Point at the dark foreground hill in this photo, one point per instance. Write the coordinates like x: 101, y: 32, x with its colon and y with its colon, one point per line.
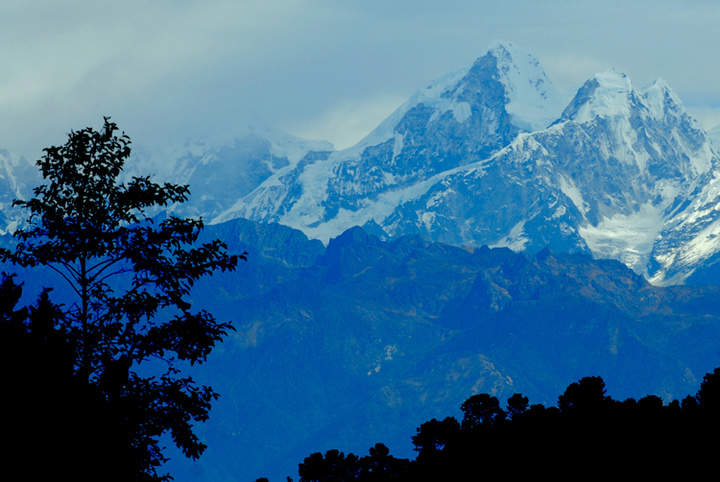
x: 359, y: 342
x: 362, y: 341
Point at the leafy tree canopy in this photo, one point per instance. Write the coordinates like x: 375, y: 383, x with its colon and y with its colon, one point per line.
x: 131, y: 274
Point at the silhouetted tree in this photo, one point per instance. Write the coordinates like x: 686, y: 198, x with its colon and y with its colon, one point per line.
x: 333, y: 467
x: 689, y: 403
x: 588, y: 394
x: 517, y: 405
x: 481, y: 409
x: 380, y: 466
x: 708, y: 396
x: 433, y: 436
x: 55, y: 425
x: 436, y: 443
x: 588, y: 432
x: 131, y: 274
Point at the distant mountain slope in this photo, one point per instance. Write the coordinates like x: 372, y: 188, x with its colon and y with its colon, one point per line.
x: 17, y: 179
x: 360, y: 342
x: 460, y: 119
x: 493, y: 155
x: 490, y: 154
x: 220, y: 173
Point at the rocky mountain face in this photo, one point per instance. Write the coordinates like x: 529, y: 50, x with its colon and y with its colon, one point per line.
x: 493, y: 155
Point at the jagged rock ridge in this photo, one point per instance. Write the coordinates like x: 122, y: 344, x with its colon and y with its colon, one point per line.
x: 493, y: 155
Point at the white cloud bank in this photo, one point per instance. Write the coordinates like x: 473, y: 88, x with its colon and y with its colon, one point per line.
x: 171, y: 70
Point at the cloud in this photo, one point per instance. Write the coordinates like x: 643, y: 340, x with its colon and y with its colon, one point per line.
x: 349, y: 121
x: 171, y: 70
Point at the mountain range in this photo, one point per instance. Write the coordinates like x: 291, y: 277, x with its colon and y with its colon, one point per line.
x: 359, y: 342
x: 492, y: 235
x: 493, y: 155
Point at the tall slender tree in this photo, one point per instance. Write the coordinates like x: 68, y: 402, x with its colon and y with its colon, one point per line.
x: 131, y: 274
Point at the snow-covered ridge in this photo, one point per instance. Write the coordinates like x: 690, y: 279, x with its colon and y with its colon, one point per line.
x: 658, y: 96
x: 533, y: 101
x: 608, y: 95
x: 432, y: 96
x: 291, y: 147
x: 490, y: 154
x: 525, y: 88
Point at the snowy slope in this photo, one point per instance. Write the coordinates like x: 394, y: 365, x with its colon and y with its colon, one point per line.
x: 493, y: 154
x: 218, y: 173
x: 490, y: 154
x: 17, y: 179
x: 660, y: 157
x: 461, y: 119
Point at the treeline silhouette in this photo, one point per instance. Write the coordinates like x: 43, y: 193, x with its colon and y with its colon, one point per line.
x: 588, y: 435
x: 56, y: 424
x: 91, y: 386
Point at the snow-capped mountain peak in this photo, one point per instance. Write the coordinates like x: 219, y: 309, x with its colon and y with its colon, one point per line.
x: 607, y: 94
x: 487, y: 155
x: 459, y: 119
x: 434, y: 96
x: 660, y: 99
x: 532, y: 100
x: 507, y: 80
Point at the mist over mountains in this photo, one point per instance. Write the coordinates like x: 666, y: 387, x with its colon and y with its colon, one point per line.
x: 492, y: 235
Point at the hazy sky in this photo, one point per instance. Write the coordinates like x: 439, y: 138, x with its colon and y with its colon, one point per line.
x: 172, y: 70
